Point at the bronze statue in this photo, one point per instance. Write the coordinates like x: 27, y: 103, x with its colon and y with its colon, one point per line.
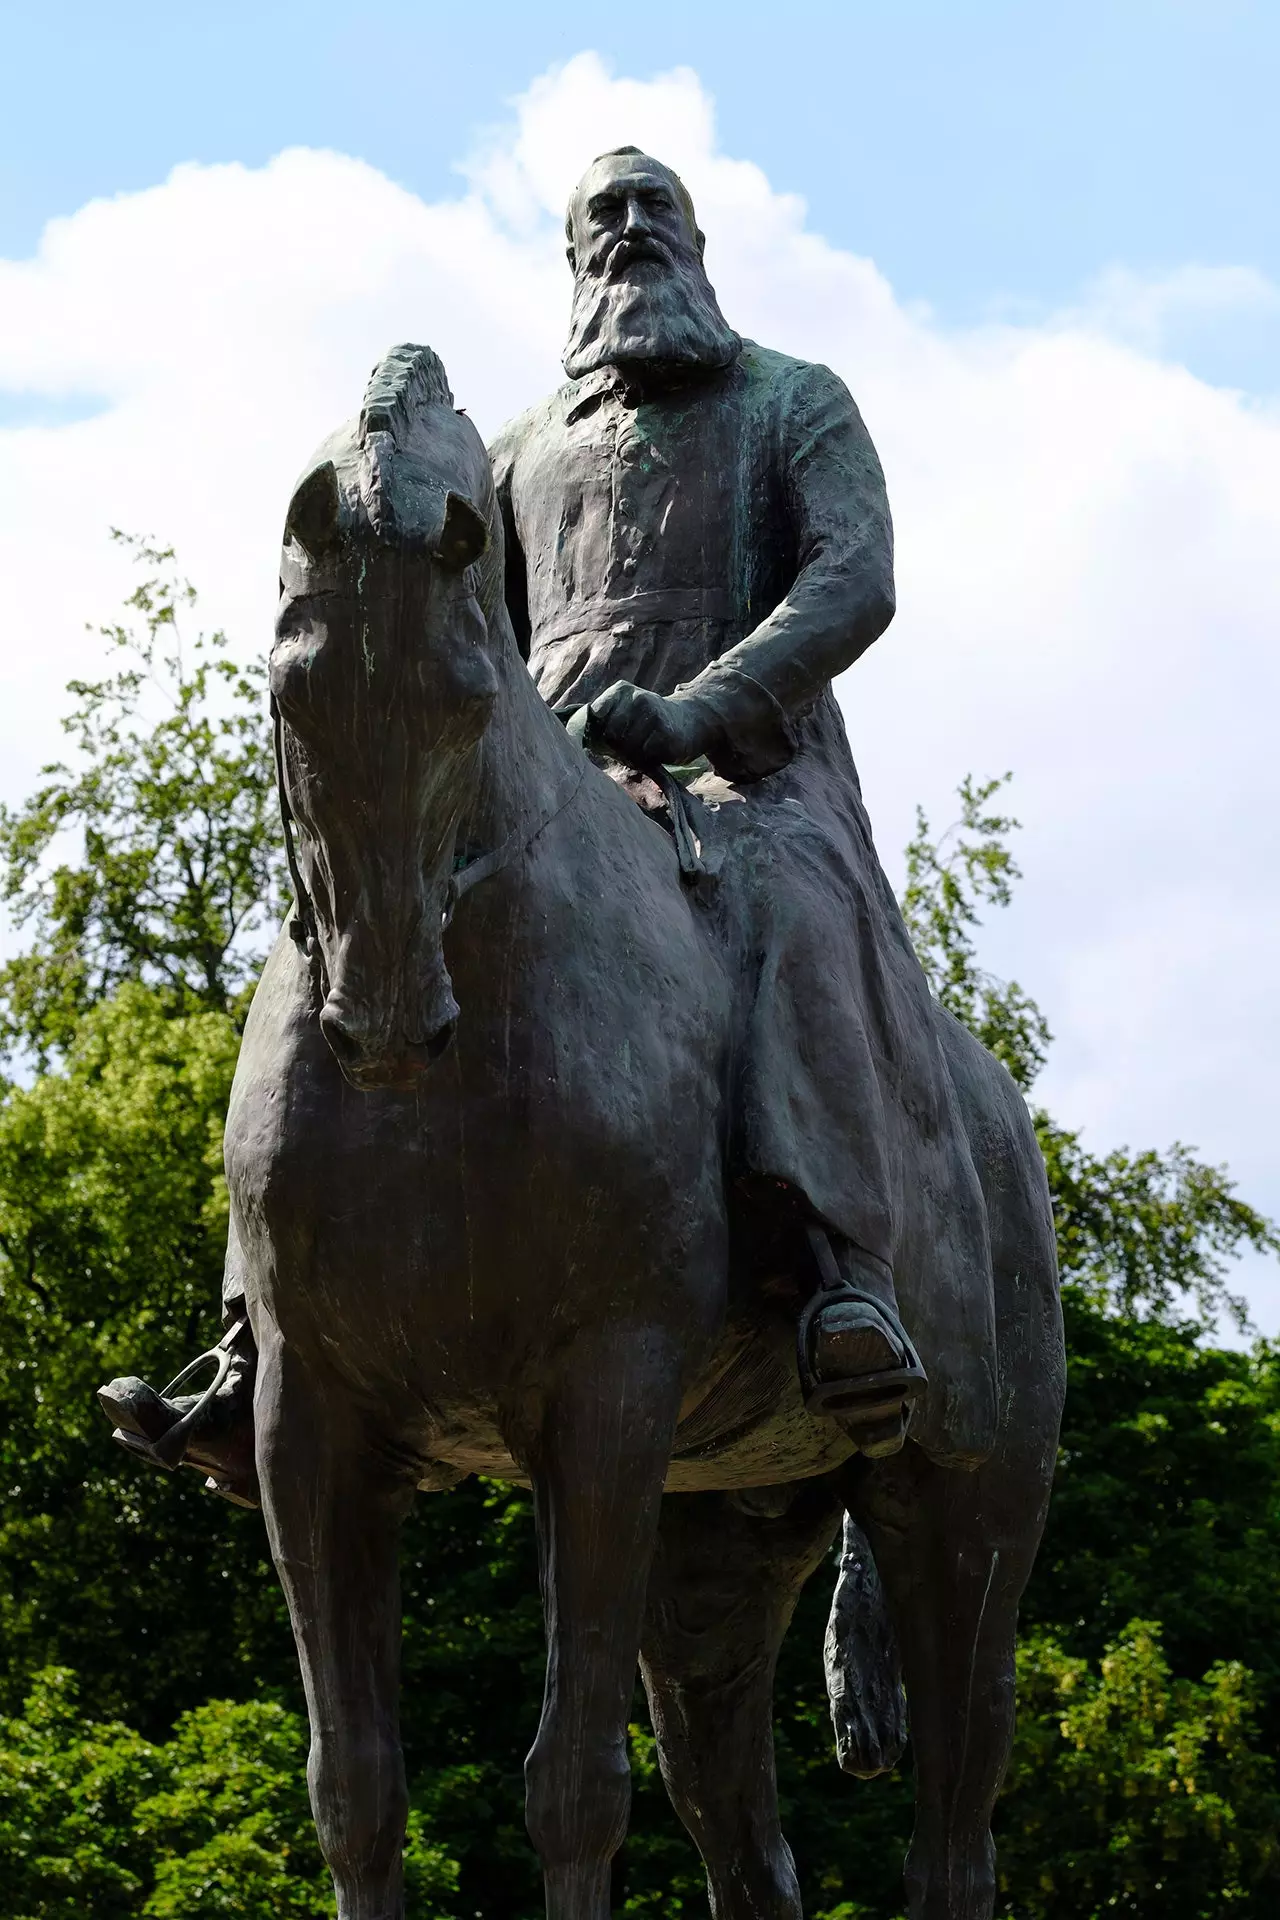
x: 618, y: 1148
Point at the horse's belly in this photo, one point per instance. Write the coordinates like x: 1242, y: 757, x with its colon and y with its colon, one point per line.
x: 743, y: 1424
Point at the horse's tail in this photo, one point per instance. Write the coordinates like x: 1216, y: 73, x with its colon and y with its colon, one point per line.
x: 864, y: 1674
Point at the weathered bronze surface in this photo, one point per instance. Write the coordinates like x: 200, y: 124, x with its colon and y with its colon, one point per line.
x: 548, y: 1118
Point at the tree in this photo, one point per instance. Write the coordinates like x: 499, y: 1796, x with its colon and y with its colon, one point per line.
x: 949, y: 882
x: 112, y: 1229
x: 1167, y: 1498
x: 212, y: 1822
x: 173, y: 800
x: 1132, y: 1791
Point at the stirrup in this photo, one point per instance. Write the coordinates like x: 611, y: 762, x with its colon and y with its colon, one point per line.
x: 868, y: 1396
x: 168, y: 1449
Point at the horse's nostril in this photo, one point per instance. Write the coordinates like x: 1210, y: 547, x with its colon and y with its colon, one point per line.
x: 342, y: 1042
x: 440, y: 1039
x: 395, y: 1064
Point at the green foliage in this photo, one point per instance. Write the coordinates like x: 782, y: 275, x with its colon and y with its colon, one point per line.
x: 211, y: 1823
x: 112, y: 1231
x: 1167, y: 1498
x: 1146, y: 1232
x: 949, y: 882
x: 173, y: 802
x: 67, y: 1844
x: 1132, y: 1791
x: 472, y: 1690
x: 1141, y: 1232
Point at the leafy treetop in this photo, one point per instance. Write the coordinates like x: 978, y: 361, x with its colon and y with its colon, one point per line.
x: 173, y: 801
x: 949, y: 881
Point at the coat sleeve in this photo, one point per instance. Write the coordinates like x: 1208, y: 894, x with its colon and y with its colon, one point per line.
x: 502, y: 457
x: 841, y: 599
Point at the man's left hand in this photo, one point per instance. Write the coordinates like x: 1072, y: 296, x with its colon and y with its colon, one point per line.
x: 644, y: 729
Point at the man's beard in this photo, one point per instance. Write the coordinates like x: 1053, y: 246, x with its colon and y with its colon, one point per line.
x: 648, y: 309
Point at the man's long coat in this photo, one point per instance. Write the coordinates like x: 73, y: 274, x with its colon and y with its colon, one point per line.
x: 732, y: 535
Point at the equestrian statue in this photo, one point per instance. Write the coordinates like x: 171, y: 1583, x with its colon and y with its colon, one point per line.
x: 594, y: 1125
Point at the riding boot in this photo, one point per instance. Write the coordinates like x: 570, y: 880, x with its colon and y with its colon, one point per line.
x: 858, y: 1365
x: 211, y: 1431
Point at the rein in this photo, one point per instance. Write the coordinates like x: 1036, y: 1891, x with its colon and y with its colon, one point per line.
x: 486, y: 865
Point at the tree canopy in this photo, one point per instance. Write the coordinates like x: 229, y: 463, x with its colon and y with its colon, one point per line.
x: 173, y: 863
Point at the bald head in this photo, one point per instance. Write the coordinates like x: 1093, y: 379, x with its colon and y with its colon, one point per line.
x: 641, y: 296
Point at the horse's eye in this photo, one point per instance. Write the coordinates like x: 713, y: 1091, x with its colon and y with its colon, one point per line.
x: 294, y: 670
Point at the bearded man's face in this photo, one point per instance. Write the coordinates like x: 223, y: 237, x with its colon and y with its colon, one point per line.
x: 641, y: 297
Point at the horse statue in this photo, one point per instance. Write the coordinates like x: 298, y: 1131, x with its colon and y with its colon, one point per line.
x: 480, y: 1214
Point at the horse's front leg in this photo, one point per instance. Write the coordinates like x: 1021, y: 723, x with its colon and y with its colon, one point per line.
x: 334, y: 1510
x: 598, y: 1464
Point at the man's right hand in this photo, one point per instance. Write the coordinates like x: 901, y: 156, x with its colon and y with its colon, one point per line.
x: 644, y: 729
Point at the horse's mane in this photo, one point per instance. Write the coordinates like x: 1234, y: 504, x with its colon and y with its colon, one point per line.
x: 405, y: 379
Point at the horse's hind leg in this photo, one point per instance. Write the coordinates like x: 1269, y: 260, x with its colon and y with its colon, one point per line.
x: 954, y: 1551
x: 333, y: 1512
x: 722, y: 1590
x: 597, y: 1461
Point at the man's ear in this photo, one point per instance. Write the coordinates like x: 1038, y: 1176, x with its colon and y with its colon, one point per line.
x: 571, y: 255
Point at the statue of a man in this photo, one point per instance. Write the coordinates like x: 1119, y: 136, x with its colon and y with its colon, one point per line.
x: 698, y: 540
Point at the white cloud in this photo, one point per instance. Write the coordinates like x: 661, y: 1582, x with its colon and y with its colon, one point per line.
x: 1146, y: 309
x: 1087, y: 536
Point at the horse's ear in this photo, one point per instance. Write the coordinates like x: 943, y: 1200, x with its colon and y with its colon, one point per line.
x: 312, y: 519
x: 464, y: 535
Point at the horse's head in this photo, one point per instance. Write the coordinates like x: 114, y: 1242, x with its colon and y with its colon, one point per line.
x: 383, y: 684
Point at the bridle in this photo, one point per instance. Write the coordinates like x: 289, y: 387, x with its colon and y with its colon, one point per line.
x: 302, y: 921
x: 469, y: 872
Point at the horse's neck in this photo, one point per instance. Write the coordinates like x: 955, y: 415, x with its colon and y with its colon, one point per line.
x: 528, y: 767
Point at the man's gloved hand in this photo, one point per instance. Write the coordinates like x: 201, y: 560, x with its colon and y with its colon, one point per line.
x: 645, y: 729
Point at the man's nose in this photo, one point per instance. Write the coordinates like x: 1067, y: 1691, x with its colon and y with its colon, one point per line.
x: 637, y: 220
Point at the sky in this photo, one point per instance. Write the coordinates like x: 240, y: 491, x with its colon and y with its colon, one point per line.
x: 1041, y: 245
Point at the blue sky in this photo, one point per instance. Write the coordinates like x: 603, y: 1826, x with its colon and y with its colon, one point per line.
x: 991, y: 157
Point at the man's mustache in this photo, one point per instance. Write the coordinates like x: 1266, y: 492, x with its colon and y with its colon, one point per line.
x: 625, y: 252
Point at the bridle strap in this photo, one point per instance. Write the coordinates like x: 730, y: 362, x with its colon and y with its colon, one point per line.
x: 302, y: 922
x: 486, y: 865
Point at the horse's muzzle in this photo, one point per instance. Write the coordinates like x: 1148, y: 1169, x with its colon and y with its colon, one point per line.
x: 374, y: 1061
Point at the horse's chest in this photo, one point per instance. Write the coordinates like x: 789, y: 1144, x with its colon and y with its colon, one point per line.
x: 500, y: 1167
